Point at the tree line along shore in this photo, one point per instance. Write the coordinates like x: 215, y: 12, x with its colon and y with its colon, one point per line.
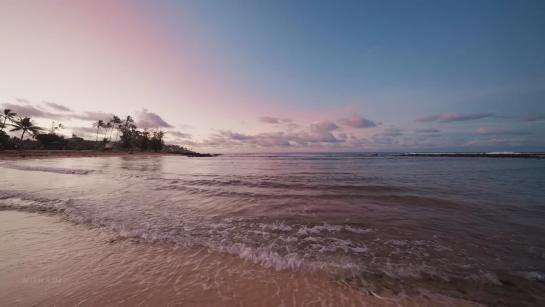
x: 114, y: 136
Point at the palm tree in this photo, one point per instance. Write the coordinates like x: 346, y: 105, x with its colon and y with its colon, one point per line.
x: 127, y: 133
x: 117, y: 123
x: 7, y: 115
x: 25, y: 124
x: 128, y: 121
x: 99, y: 124
x: 108, y: 126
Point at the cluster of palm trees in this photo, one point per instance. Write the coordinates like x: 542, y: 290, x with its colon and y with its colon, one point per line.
x: 129, y: 136
x: 23, y: 124
x: 126, y: 132
x: 115, y: 123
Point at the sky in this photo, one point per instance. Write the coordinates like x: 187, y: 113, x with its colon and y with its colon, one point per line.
x: 283, y: 76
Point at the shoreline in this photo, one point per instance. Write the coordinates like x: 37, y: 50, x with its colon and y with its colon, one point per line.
x: 44, y: 154
x: 522, y: 155
x: 48, y: 261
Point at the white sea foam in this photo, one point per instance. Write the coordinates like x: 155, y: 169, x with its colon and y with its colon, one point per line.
x: 532, y: 275
x: 305, y: 230
x: 276, y: 226
x: 276, y: 244
x: 48, y: 169
x: 357, y: 230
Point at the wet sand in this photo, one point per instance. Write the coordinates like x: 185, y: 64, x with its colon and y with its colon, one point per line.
x: 47, y: 261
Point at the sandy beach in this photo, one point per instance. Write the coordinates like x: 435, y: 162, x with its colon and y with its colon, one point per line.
x: 47, y: 261
x: 41, y: 154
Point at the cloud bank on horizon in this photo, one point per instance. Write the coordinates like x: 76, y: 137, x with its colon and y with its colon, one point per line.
x: 284, y: 76
x: 349, y: 133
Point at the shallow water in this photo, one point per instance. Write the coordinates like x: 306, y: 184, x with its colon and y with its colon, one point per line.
x: 465, y: 227
x: 48, y: 262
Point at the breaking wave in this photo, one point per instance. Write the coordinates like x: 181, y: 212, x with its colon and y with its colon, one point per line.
x: 342, y: 248
x: 48, y: 169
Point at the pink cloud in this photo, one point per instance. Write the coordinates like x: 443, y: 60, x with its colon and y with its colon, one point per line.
x: 357, y: 122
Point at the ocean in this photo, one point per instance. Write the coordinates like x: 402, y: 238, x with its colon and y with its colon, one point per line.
x: 464, y: 227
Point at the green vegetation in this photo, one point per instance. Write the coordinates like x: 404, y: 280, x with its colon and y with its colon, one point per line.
x: 126, y: 136
x: 7, y: 115
x: 25, y: 125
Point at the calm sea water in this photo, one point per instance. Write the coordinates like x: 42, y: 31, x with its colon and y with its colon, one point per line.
x: 468, y: 227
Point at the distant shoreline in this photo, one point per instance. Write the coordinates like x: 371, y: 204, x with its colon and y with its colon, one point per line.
x: 526, y: 155
x: 42, y: 153
x: 36, y: 154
